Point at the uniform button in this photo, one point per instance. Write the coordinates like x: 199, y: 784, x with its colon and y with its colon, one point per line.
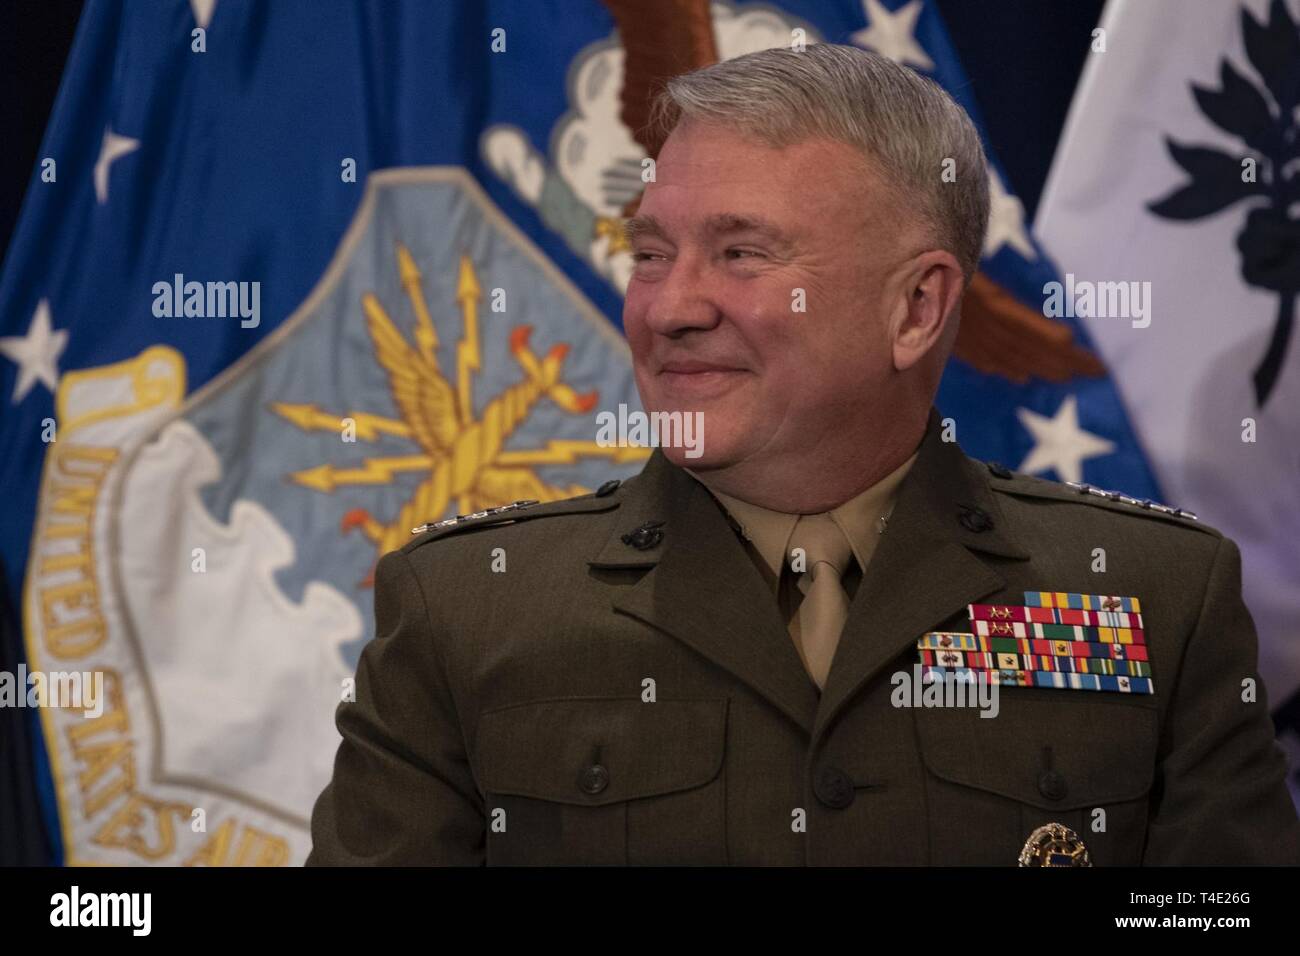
x: 975, y: 519
x: 645, y: 537
x: 1000, y: 470
x: 1052, y: 785
x: 594, y: 779
x: 608, y: 488
x: 834, y: 788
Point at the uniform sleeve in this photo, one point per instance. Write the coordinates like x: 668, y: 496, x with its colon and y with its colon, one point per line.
x: 402, y: 791
x: 1220, y: 794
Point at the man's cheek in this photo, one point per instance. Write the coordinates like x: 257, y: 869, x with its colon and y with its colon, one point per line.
x: 638, y: 336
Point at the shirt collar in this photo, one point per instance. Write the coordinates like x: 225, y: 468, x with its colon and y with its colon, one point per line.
x: 859, y: 518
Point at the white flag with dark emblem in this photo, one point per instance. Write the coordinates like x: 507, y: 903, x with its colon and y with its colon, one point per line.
x: 1173, y: 182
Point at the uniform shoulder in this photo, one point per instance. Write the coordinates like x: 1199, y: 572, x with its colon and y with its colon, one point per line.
x: 1005, y: 481
x: 604, y: 498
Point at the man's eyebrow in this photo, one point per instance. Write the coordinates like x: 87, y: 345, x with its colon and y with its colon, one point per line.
x: 642, y: 226
x: 718, y: 224
x: 723, y: 223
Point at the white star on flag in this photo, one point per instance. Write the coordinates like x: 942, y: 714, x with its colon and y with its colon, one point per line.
x: 1006, y: 222
x: 891, y: 34
x: 1059, y: 442
x: 113, y: 148
x: 36, y: 353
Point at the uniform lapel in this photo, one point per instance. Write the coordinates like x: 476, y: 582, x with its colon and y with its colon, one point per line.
x: 702, y: 588
x: 930, y: 563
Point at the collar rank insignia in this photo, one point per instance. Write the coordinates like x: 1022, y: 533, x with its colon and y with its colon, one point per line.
x: 1055, y: 639
x: 460, y: 519
x: 1146, y: 504
x: 1054, y: 845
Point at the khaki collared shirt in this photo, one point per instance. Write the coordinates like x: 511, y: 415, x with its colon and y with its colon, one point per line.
x: 767, y: 533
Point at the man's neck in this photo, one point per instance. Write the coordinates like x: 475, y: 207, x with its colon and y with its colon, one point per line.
x: 815, y: 483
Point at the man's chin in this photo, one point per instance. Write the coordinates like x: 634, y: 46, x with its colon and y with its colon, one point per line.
x: 705, y: 456
x: 709, y: 436
x: 680, y: 457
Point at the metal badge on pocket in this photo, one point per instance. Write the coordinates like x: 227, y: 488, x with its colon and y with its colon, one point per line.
x: 1055, y: 845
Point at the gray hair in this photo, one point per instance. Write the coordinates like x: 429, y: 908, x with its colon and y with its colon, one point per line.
x: 905, y: 125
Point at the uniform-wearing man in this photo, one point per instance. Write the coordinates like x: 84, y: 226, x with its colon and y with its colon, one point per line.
x: 832, y: 638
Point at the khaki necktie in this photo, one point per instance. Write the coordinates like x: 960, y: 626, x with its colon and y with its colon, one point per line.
x: 825, y: 605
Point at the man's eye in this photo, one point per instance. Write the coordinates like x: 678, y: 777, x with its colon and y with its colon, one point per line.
x: 645, y: 256
x: 743, y: 252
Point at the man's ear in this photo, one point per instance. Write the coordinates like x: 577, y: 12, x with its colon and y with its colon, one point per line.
x: 930, y: 291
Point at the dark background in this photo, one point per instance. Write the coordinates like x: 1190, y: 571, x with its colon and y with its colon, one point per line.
x: 1023, y: 58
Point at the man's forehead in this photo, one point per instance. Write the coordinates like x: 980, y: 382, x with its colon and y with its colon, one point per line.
x: 709, y: 177
x: 717, y: 157
x: 708, y: 224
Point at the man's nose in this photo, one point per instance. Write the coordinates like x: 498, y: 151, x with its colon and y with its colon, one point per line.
x: 685, y: 299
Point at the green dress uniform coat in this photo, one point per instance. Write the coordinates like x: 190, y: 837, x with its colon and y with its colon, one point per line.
x: 625, y: 692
